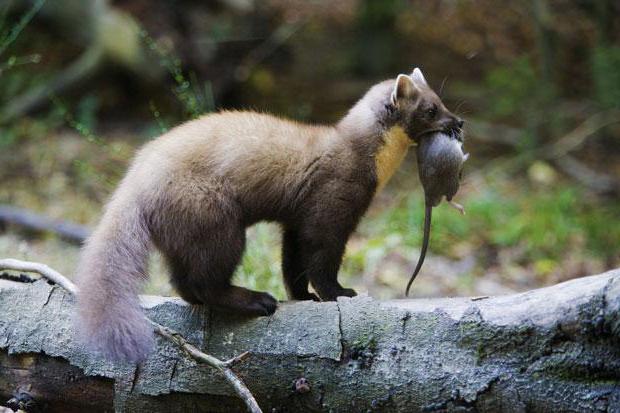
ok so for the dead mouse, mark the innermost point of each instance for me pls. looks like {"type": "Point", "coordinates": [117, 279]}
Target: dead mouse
{"type": "Point", "coordinates": [440, 165]}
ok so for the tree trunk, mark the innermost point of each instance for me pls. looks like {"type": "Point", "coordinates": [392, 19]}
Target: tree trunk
{"type": "Point", "coordinates": [555, 349]}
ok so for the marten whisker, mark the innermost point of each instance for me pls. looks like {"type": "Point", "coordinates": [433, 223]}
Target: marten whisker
{"type": "Point", "coordinates": [443, 82]}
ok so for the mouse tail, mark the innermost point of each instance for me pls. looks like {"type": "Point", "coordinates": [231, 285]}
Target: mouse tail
{"type": "Point", "coordinates": [428, 211]}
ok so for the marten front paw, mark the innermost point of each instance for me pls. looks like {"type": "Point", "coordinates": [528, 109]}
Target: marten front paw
{"type": "Point", "coordinates": [335, 293]}
{"type": "Point", "coordinates": [347, 292]}
{"type": "Point", "coordinates": [308, 296]}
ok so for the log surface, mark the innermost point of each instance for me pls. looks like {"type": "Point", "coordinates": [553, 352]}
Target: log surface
{"type": "Point", "coordinates": [553, 349]}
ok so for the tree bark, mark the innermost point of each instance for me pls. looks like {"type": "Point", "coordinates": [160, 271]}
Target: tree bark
{"type": "Point", "coordinates": [553, 349]}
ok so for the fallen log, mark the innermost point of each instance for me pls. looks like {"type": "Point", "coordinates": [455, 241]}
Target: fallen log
{"type": "Point", "coordinates": [553, 349]}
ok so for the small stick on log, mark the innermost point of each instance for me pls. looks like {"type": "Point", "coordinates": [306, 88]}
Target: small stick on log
{"type": "Point", "coordinates": [222, 366]}
{"type": "Point", "coordinates": [173, 336]}
{"type": "Point", "coordinates": [42, 269]}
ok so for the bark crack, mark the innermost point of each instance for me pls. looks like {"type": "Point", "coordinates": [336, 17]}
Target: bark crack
{"type": "Point", "coordinates": [49, 296]}
{"type": "Point", "coordinates": [9, 335]}
{"type": "Point", "coordinates": [342, 344]}
{"type": "Point", "coordinates": [404, 319]}
{"type": "Point", "coordinates": [136, 375]}
{"type": "Point", "coordinates": [269, 321]}
{"type": "Point", "coordinates": [604, 293]}
{"type": "Point", "coordinates": [172, 374]}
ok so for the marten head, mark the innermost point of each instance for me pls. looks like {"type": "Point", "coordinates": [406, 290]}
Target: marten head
{"type": "Point", "coordinates": [419, 110]}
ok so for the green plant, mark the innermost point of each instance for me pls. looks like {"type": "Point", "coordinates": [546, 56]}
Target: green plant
{"type": "Point", "coordinates": [260, 266]}
{"type": "Point", "coordinates": [544, 224]}
{"type": "Point", "coordinates": [9, 35]}
{"type": "Point", "coordinates": [196, 99]}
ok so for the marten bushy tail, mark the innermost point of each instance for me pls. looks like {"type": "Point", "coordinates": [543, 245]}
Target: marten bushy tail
{"type": "Point", "coordinates": [112, 268]}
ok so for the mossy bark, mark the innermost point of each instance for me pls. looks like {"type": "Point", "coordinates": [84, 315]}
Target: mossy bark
{"type": "Point", "coordinates": [553, 349]}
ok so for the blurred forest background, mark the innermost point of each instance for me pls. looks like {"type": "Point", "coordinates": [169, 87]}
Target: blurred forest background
{"type": "Point", "coordinates": [83, 83]}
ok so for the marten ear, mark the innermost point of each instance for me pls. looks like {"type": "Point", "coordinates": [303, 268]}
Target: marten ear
{"type": "Point", "coordinates": [403, 89]}
{"type": "Point", "coordinates": [418, 77]}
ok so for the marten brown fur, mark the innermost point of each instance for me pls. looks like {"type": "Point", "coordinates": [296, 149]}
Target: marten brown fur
{"type": "Point", "coordinates": [193, 192]}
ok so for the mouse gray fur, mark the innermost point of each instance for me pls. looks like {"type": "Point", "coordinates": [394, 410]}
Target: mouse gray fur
{"type": "Point", "coordinates": [440, 165]}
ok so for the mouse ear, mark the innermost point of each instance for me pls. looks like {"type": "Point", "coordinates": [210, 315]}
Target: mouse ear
{"type": "Point", "coordinates": [403, 89]}
{"type": "Point", "coordinates": [418, 77]}
{"type": "Point", "coordinates": [465, 157]}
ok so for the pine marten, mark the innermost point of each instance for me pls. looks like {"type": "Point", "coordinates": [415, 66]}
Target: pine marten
{"type": "Point", "coordinates": [193, 192]}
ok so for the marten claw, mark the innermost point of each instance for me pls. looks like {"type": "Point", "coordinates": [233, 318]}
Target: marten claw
{"type": "Point", "coordinates": [458, 206]}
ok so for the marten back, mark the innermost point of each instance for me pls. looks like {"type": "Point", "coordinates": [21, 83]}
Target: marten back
{"type": "Point", "coordinates": [260, 159]}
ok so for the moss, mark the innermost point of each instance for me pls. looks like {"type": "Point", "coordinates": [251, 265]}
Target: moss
{"type": "Point", "coordinates": [363, 350]}
{"type": "Point", "coordinates": [490, 340]}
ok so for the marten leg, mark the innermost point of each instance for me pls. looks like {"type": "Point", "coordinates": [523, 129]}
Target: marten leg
{"type": "Point", "coordinates": [203, 240]}
{"type": "Point", "coordinates": [328, 219]}
{"type": "Point", "coordinates": [209, 266]}
{"type": "Point", "coordinates": [321, 266]}
{"type": "Point", "coordinates": [177, 279]}
{"type": "Point", "coordinates": [321, 256]}
{"type": "Point", "coordinates": [295, 280]}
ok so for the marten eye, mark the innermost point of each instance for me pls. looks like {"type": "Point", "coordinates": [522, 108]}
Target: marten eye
{"type": "Point", "coordinates": [431, 112]}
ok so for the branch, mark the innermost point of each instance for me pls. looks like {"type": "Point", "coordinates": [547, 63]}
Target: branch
{"type": "Point", "coordinates": [577, 137]}
{"type": "Point", "coordinates": [594, 180]}
{"type": "Point", "coordinates": [67, 230]}
{"type": "Point", "coordinates": [41, 269]}
{"type": "Point", "coordinates": [222, 366]}
{"type": "Point", "coordinates": [279, 37]}
{"type": "Point", "coordinates": [498, 133]}
{"type": "Point", "coordinates": [557, 152]}
{"type": "Point", "coordinates": [84, 66]}
{"type": "Point", "coordinates": [165, 332]}
{"type": "Point", "coordinates": [493, 132]}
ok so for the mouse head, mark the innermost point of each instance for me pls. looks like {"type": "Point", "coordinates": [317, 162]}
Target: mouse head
{"type": "Point", "coordinates": [420, 110]}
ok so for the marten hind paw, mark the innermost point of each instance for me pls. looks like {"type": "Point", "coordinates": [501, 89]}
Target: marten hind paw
{"type": "Point", "coordinates": [263, 304]}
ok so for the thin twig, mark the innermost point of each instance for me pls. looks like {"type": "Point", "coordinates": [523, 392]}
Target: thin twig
{"type": "Point", "coordinates": [222, 366]}
{"type": "Point", "coordinates": [237, 359]}
{"type": "Point", "coordinates": [559, 151]}
{"type": "Point", "coordinates": [577, 137]}
{"type": "Point", "coordinates": [594, 180]}
{"type": "Point", "coordinates": [279, 37]}
{"type": "Point", "coordinates": [42, 269]}
{"type": "Point", "coordinates": [492, 132]}
{"type": "Point", "coordinates": [174, 337]}
{"type": "Point", "coordinates": [83, 66]}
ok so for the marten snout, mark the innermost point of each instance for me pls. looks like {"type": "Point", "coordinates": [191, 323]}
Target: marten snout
{"type": "Point", "coordinates": [452, 125]}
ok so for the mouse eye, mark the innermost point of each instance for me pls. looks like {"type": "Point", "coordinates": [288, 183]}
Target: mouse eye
{"type": "Point", "coordinates": [431, 112]}
{"type": "Point", "coordinates": [461, 175]}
